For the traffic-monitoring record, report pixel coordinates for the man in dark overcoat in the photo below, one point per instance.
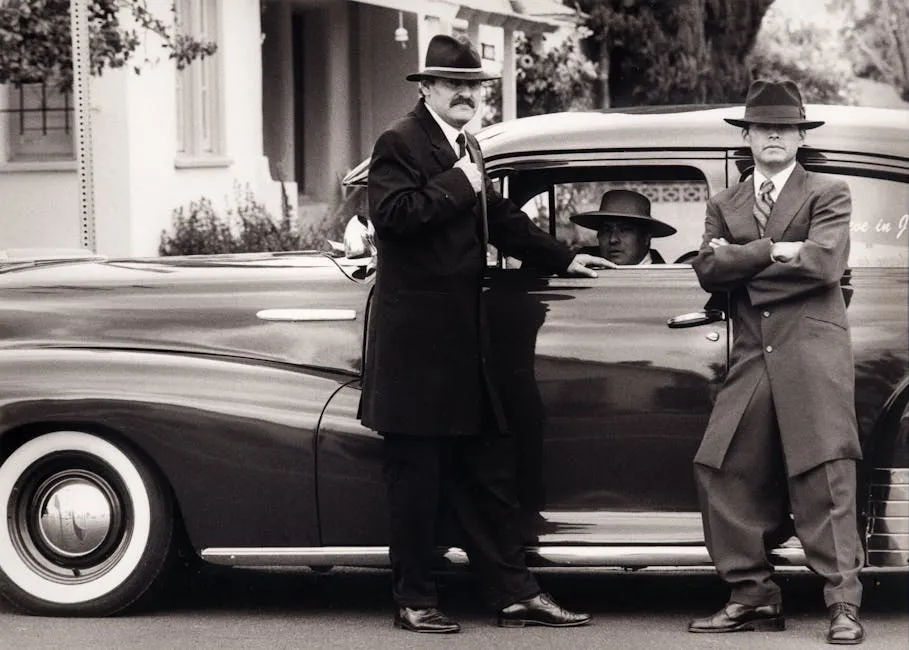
(426, 388)
(782, 437)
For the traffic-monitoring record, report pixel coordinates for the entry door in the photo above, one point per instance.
(608, 403)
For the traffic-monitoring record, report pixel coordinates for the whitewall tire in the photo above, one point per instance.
(86, 527)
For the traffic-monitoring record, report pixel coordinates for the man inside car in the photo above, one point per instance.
(624, 228)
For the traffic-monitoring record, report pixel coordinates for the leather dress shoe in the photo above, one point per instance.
(736, 617)
(429, 620)
(540, 610)
(845, 628)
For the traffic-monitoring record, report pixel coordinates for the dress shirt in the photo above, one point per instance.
(779, 180)
(451, 133)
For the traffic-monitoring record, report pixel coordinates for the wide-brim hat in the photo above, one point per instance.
(624, 204)
(774, 102)
(452, 58)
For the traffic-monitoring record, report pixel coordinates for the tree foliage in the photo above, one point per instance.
(680, 52)
(876, 34)
(560, 78)
(547, 79)
(36, 45)
(808, 53)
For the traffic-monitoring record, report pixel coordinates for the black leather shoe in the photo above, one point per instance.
(845, 628)
(429, 620)
(540, 610)
(735, 617)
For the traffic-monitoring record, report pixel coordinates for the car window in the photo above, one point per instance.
(880, 222)
(677, 197)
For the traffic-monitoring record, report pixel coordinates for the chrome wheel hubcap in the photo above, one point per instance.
(70, 518)
(74, 516)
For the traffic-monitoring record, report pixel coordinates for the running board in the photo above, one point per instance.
(548, 556)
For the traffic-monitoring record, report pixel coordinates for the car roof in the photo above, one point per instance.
(875, 131)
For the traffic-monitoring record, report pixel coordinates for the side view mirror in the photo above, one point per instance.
(359, 239)
(697, 318)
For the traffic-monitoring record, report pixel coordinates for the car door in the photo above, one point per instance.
(608, 402)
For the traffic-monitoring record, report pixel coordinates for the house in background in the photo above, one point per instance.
(160, 139)
(334, 72)
(294, 97)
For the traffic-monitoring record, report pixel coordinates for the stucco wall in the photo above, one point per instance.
(38, 208)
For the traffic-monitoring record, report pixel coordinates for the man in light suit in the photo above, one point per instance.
(782, 437)
(426, 387)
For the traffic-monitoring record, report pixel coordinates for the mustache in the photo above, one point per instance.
(463, 100)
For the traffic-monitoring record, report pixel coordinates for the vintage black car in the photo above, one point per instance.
(210, 402)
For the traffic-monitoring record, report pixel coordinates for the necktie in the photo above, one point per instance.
(763, 204)
(462, 145)
(461, 140)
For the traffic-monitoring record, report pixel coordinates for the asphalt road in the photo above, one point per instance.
(272, 610)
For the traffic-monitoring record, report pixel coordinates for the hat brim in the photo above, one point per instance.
(457, 76)
(592, 220)
(804, 124)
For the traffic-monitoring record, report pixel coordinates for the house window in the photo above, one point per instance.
(489, 52)
(39, 123)
(198, 85)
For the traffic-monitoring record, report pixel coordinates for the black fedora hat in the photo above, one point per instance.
(452, 58)
(774, 102)
(624, 204)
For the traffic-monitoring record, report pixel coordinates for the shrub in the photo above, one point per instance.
(248, 227)
(197, 231)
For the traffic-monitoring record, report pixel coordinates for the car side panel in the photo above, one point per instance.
(879, 322)
(352, 504)
(608, 402)
(234, 439)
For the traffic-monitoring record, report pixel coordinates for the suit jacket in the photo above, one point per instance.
(788, 318)
(424, 371)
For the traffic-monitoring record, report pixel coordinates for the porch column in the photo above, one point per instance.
(509, 77)
(278, 90)
(336, 160)
(473, 32)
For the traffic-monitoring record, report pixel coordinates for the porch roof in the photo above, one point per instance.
(548, 9)
(529, 16)
(533, 17)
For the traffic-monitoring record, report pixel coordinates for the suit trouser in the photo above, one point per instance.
(745, 508)
(476, 477)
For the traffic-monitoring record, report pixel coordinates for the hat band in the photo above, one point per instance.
(444, 69)
(773, 113)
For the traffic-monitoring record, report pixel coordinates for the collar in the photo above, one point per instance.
(451, 134)
(779, 180)
(647, 260)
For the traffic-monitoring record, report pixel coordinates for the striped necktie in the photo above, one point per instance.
(763, 204)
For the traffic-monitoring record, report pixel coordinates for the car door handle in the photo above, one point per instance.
(696, 318)
(292, 315)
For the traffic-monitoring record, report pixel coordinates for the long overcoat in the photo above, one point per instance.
(788, 318)
(424, 368)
